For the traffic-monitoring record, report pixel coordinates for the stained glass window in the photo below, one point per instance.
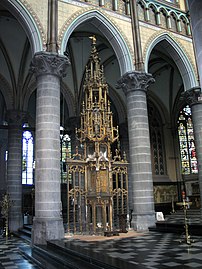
(187, 142)
(65, 153)
(27, 158)
(157, 151)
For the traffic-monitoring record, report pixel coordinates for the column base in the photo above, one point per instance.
(46, 229)
(142, 222)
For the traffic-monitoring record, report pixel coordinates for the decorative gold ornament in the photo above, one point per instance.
(97, 186)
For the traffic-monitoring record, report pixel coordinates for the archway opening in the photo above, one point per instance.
(164, 104)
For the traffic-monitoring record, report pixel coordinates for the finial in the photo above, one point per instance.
(93, 39)
(124, 157)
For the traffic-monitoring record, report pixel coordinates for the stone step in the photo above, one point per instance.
(176, 223)
(54, 256)
(27, 252)
(180, 214)
(25, 233)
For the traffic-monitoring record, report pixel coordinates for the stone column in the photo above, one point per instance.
(48, 224)
(3, 161)
(14, 168)
(138, 58)
(195, 9)
(194, 98)
(169, 25)
(135, 85)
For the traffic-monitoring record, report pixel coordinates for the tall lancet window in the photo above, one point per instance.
(27, 158)
(187, 142)
(65, 151)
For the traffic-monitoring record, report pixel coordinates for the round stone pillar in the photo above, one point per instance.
(3, 161)
(14, 168)
(195, 9)
(48, 224)
(135, 85)
(194, 98)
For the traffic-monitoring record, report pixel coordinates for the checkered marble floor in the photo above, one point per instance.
(11, 257)
(151, 250)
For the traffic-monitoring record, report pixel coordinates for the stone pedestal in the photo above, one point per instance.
(135, 85)
(48, 224)
(46, 229)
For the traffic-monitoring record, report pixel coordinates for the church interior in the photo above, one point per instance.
(100, 134)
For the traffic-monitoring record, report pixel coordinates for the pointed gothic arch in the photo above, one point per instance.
(119, 105)
(111, 33)
(184, 65)
(69, 99)
(26, 20)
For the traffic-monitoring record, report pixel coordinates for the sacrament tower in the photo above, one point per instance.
(97, 181)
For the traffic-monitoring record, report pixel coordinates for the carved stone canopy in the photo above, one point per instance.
(49, 63)
(135, 80)
(192, 96)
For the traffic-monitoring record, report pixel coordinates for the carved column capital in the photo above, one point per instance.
(45, 63)
(135, 81)
(192, 96)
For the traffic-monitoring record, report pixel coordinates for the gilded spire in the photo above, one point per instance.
(93, 39)
(96, 117)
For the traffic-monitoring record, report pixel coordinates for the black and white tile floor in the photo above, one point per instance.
(151, 250)
(11, 257)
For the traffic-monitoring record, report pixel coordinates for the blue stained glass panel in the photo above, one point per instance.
(27, 158)
(187, 142)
